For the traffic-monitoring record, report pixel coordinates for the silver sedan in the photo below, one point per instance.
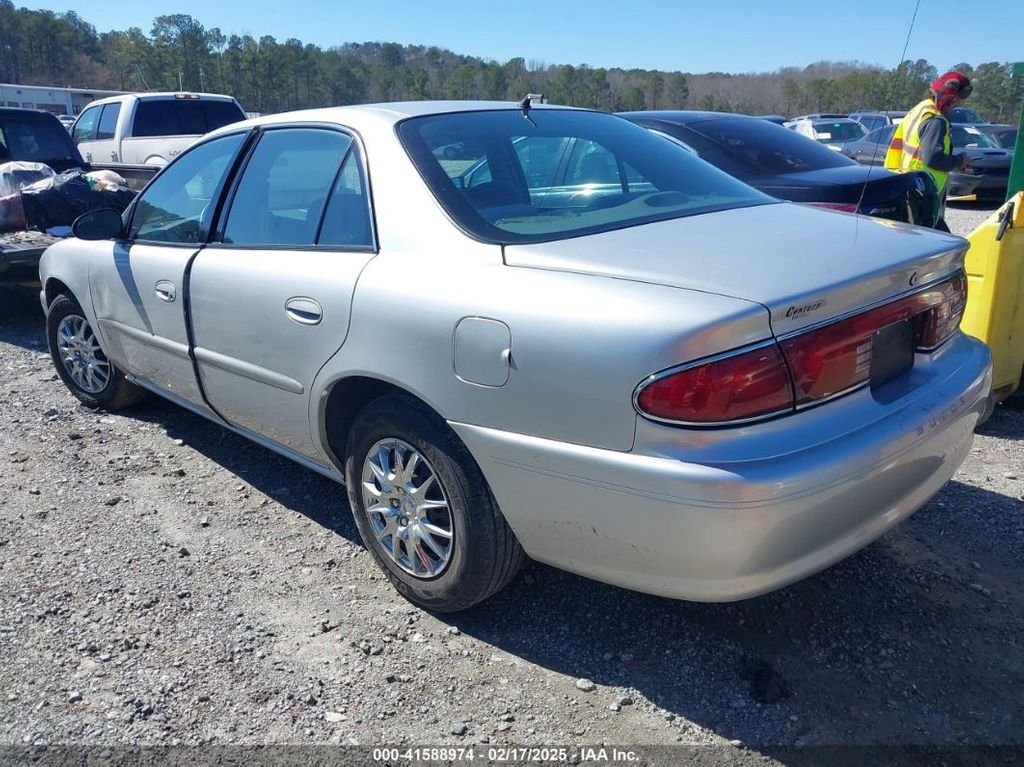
(529, 330)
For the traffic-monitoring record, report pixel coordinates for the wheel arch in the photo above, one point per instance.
(54, 287)
(343, 400)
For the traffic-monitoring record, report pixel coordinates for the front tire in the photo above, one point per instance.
(424, 509)
(80, 361)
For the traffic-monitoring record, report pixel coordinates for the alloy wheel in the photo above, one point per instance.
(81, 355)
(408, 508)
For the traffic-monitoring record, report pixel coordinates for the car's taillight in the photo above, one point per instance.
(802, 369)
(738, 387)
(845, 207)
(837, 357)
(946, 302)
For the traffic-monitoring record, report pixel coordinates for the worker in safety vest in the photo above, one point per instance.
(923, 141)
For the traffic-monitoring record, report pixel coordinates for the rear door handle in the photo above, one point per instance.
(165, 291)
(113, 155)
(303, 310)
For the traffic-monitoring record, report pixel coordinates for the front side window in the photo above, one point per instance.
(617, 175)
(970, 138)
(85, 128)
(881, 135)
(285, 186)
(108, 121)
(177, 206)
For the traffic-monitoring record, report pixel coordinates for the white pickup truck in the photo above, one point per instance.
(148, 129)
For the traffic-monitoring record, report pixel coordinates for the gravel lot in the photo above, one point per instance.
(164, 581)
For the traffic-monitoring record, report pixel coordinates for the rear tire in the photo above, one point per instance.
(81, 363)
(472, 553)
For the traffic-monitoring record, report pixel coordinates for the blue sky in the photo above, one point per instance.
(728, 36)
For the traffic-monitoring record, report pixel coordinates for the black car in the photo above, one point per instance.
(985, 177)
(1006, 138)
(789, 166)
(29, 135)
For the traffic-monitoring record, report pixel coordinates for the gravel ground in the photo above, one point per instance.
(164, 581)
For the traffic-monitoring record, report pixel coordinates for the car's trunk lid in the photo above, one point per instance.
(804, 265)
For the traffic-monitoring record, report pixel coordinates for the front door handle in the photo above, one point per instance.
(165, 291)
(303, 310)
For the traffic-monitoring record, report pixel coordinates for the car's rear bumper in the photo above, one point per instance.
(962, 184)
(684, 520)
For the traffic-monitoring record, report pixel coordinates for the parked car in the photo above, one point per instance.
(29, 135)
(1006, 139)
(965, 115)
(833, 132)
(149, 129)
(787, 165)
(872, 120)
(679, 385)
(986, 176)
(67, 121)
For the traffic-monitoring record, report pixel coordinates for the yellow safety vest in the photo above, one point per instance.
(905, 150)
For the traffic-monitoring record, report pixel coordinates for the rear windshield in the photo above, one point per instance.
(36, 138)
(183, 117)
(964, 115)
(848, 130)
(506, 178)
(764, 146)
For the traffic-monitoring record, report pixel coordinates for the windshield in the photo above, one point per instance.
(561, 173)
(36, 138)
(832, 131)
(964, 115)
(767, 147)
(970, 138)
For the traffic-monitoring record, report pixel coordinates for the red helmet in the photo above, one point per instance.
(953, 83)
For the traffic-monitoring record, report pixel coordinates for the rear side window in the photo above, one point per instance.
(347, 218)
(176, 207)
(85, 128)
(284, 187)
(108, 121)
(183, 117)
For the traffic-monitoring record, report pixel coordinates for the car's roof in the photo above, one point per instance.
(383, 113)
(681, 116)
(166, 95)
(25, 112)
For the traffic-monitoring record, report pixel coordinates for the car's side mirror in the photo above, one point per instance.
(103, 224)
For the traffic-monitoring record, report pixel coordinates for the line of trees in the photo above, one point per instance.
(179, 53)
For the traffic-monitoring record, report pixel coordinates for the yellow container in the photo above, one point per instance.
(995, 293)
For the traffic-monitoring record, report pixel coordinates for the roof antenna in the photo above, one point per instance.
(526, 106)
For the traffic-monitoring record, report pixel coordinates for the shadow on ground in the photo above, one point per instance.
(914, 640)
(22, 322)
(917, 639)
